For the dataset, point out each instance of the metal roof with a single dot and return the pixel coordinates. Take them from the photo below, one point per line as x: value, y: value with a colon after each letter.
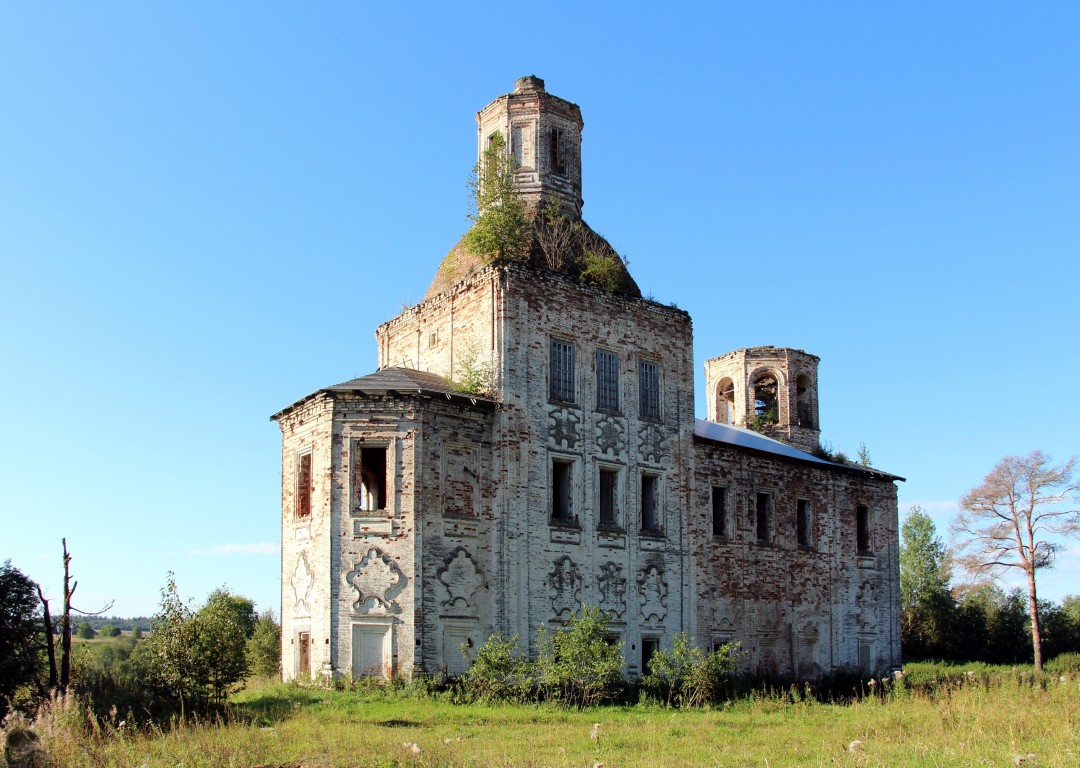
x: 396, y: 381
x: 748, y: 438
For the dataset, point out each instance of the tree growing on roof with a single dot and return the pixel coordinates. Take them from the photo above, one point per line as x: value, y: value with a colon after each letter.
x: 1007, y: 521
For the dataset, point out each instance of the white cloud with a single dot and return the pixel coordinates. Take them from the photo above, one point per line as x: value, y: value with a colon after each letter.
x: 262, y: 548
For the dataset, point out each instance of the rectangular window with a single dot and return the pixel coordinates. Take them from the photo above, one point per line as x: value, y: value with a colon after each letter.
x: 649, y: 389
x: 561, y: 479
x: 607, y: 380
x: 719, y: 512
x: 650, y: 503
x: 303, y: 485
x: 802, y: 522
x: 763, y: 513
x: 557, y: 151
x: 562, y: 370
x: 862, y: 529
x: 609, y: 515
x: 369, y: 478
x: 649, y: 647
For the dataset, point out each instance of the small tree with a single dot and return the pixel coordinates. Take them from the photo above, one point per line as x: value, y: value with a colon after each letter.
x: 502, y: 230
x: 86, y: 631
x: 926, y: 605
x: 1004, y: 522
x: 168, y: 654
x: 222, y: 628
x: 109, y: 630
x: 21, y: 641
x: 499, y: 671
x: 264, y: 646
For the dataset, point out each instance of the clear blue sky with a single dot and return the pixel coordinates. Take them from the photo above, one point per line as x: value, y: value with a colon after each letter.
x: 206, y: 209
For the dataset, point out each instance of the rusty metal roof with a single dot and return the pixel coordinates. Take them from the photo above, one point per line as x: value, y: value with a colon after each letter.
x: 748, y: 438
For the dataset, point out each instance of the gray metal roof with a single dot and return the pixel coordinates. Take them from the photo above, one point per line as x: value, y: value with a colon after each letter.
x: 748, y: 438
x: 396, y: 381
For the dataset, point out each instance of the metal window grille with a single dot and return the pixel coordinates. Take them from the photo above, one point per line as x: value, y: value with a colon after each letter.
x: 607, y: 380
x: 608, y: 480
x: 649, y: 388
x: 562, y: 370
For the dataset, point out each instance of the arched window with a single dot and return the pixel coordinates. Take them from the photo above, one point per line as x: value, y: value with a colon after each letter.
x: 804, y: 402
x: 766, y: 405
x: 725, y: 401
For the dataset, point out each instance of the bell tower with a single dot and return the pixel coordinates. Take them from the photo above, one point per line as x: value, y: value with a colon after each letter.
x: 543, y: 135
x: 772, y: 390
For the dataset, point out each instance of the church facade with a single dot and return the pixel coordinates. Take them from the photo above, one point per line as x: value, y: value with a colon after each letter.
x: 418, y: 518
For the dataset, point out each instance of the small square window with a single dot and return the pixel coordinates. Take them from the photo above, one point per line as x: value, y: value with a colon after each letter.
x: 650, y: 503
x: 649, y: 389
x: 562, y: 370
x: 719, y: 513
x: 609, y: 513
x: 607, y: 380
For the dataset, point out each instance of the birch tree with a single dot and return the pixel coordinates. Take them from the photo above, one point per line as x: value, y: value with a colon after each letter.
x: 1012, y: 520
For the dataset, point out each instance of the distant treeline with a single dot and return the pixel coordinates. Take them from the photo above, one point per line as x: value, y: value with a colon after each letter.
x: 97, y: 622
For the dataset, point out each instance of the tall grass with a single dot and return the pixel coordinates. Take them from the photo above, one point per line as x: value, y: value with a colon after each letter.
x: 971, y: 720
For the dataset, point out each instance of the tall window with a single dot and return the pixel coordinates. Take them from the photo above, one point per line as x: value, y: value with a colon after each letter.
x: 650, y: 503
x: 649, y: 389
x: 303, y: 485
x: 862, y: 529
x: 719, y: 513
x: 763, y: 513
x: 802, y: 522
x: 562, y: 370
x: 369, y: 479
x: 562, y: 473
x: 609, y: 514
x: 557, y: 151
x: 607, y: 380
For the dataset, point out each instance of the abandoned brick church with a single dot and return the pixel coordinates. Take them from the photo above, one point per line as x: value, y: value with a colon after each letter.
x: 417, y: 518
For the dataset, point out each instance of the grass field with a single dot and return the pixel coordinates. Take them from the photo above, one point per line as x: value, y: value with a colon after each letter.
x: 979, y: 724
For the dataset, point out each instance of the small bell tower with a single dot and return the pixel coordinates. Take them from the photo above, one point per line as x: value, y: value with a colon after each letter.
x: 772, y: 390
x: 543, y: 135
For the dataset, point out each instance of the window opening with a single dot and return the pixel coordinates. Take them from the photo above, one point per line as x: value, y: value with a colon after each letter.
x: 650, y: 518
x: 719, y: 512
x: 725, y: 401
x: 303, y: 486
x: 804, y: 409
x: 562, y: 370
x: 762, y: 509
x: 557, y: 150
x: 649, y: 647
x: 607, y: 380
x: 766, y: 406
x: 608, y: 511
x: 862, y: 529
x: 649, y: 388
x: 371, y: 472
x: 802, y: 522
x: 561, y: 476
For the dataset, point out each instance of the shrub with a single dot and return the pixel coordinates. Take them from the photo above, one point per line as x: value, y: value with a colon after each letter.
x: 264, y: 646
x: 577, y: 664
x: 85, y: 631
x: 686, y: 676
x: 109, y: 630
x: 1064, y: 664
x: 500, y: 672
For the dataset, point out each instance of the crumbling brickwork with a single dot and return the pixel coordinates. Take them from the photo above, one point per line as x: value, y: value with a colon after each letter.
x: 418, y: 518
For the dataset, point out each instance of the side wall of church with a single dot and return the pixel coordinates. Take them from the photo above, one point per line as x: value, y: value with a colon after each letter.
x: 797, y: 608
x: 555, y: 450
x: 448, y: 333
x: 307, y: 592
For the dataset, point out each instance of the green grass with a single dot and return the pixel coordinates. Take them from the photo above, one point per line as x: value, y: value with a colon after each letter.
x: 985, y: 722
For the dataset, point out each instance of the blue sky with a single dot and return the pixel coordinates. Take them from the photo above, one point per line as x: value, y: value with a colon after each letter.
x: 206, y: 209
